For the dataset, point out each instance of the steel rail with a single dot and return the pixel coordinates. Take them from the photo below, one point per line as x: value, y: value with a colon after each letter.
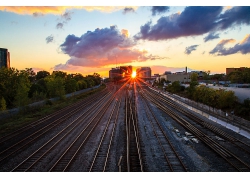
x: 34, y: 137
x: 132, y: 136
x: 164, y: 134
x: 111, y: 139
x: 209, y: 126
x: 224, y: 153
x: 17, y: 132
x: 66, y: 129
x: 71, y: 146
x: 102, y: 138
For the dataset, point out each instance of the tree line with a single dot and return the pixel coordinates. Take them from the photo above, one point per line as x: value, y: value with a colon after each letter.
x: 242, y: 76
x: 20, y: 87
x: 217, y: 98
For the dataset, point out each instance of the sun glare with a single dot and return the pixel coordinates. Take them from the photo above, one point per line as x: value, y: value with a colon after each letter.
x: 133, y: 74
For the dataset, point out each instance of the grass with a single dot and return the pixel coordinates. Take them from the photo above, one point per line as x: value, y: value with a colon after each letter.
x: 30, y: 115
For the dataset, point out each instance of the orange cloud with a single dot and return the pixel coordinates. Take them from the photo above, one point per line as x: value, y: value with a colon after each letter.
x: 246, y: 39
x: 226, y: 41
x: 125, y: 32
x: 30, y: 10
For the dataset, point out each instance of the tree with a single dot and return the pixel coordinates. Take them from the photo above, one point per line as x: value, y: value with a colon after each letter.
x: 82, y: 84
x: 31, y: 74
x: 42, y: 74
x: 21, y: 97
x: 71, y: 85
x: 60, y: 74
x: 2, y: 104
x: 55, y: 86
x: 175, y: 87
x: 192, y: 85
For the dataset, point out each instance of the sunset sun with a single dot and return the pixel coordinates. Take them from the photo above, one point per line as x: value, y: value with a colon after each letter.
x: 133, y: 74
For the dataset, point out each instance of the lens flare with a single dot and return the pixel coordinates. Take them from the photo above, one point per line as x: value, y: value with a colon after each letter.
x: 133, y: 74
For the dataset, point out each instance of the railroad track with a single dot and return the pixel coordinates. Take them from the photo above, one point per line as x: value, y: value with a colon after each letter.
x: 232, y: 159
x: 173, y: 160
x: 238, y: 143
x: 66, y: 160
x: 47, y: 119
x: 15, y: 147
x: 134, y: 157
x: 30, y: 163
x: 101, y: 157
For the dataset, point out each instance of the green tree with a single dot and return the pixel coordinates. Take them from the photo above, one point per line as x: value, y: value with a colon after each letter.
x: 175, y: 87
x: 55, y: 86
x: 60, y: 74
x: 42, y: 74
x: 23, y: 87
x: 71, y: 85
x: 2, y: 104
x: 82, y: 84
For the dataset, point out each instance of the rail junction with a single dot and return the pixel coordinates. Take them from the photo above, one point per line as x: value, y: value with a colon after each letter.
x: 126, y: 127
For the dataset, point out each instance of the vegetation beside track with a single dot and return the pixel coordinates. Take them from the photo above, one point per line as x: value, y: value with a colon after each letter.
x: 31, y: 114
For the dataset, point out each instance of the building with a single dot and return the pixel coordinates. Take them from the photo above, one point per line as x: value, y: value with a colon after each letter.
x: 120, y: 72
x: 229, y: 70
x: 143, y: 72
x: 200, y: 73
x: 183, y: 78
x: 126, y: 71
x: 4, y: 58
x: 114, y: 72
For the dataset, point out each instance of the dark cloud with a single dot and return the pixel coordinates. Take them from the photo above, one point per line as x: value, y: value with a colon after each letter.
x: 243, y: 47
x: 59, y: 26
x: 128, y: 10
x: 211, y: 36
x: 235, y: 16
x: 194, y: 20
x: 67, y: 16
x: 102, y: 47
x: 36, y: 14
x: 49, y: 39
x: 189, y: 49
x: 159, y: 9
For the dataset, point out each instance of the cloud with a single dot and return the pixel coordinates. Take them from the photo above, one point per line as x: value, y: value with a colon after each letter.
x: 49, y: 39
x: 58, y: 10
x: 128, y: 10
x: 193, y: 21
x: 36, y: 14
x: 234, y: 16
x: 189, y: 49
x: 211, y: 36
x: 76, y: 69
x: 243, y: 47
x: 67, y: 16
x: 159, y: 10
x: 59, y: 26
x: 102, y: 47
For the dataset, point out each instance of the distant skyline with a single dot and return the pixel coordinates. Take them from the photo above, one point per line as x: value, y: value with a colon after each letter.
x: 94, y: 39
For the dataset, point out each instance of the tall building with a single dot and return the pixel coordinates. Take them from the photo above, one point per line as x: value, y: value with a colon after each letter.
x: 143, y: 72
x: 4, y: 58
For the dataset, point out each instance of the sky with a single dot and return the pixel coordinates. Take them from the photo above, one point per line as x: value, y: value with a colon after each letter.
x: 97, y: 37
